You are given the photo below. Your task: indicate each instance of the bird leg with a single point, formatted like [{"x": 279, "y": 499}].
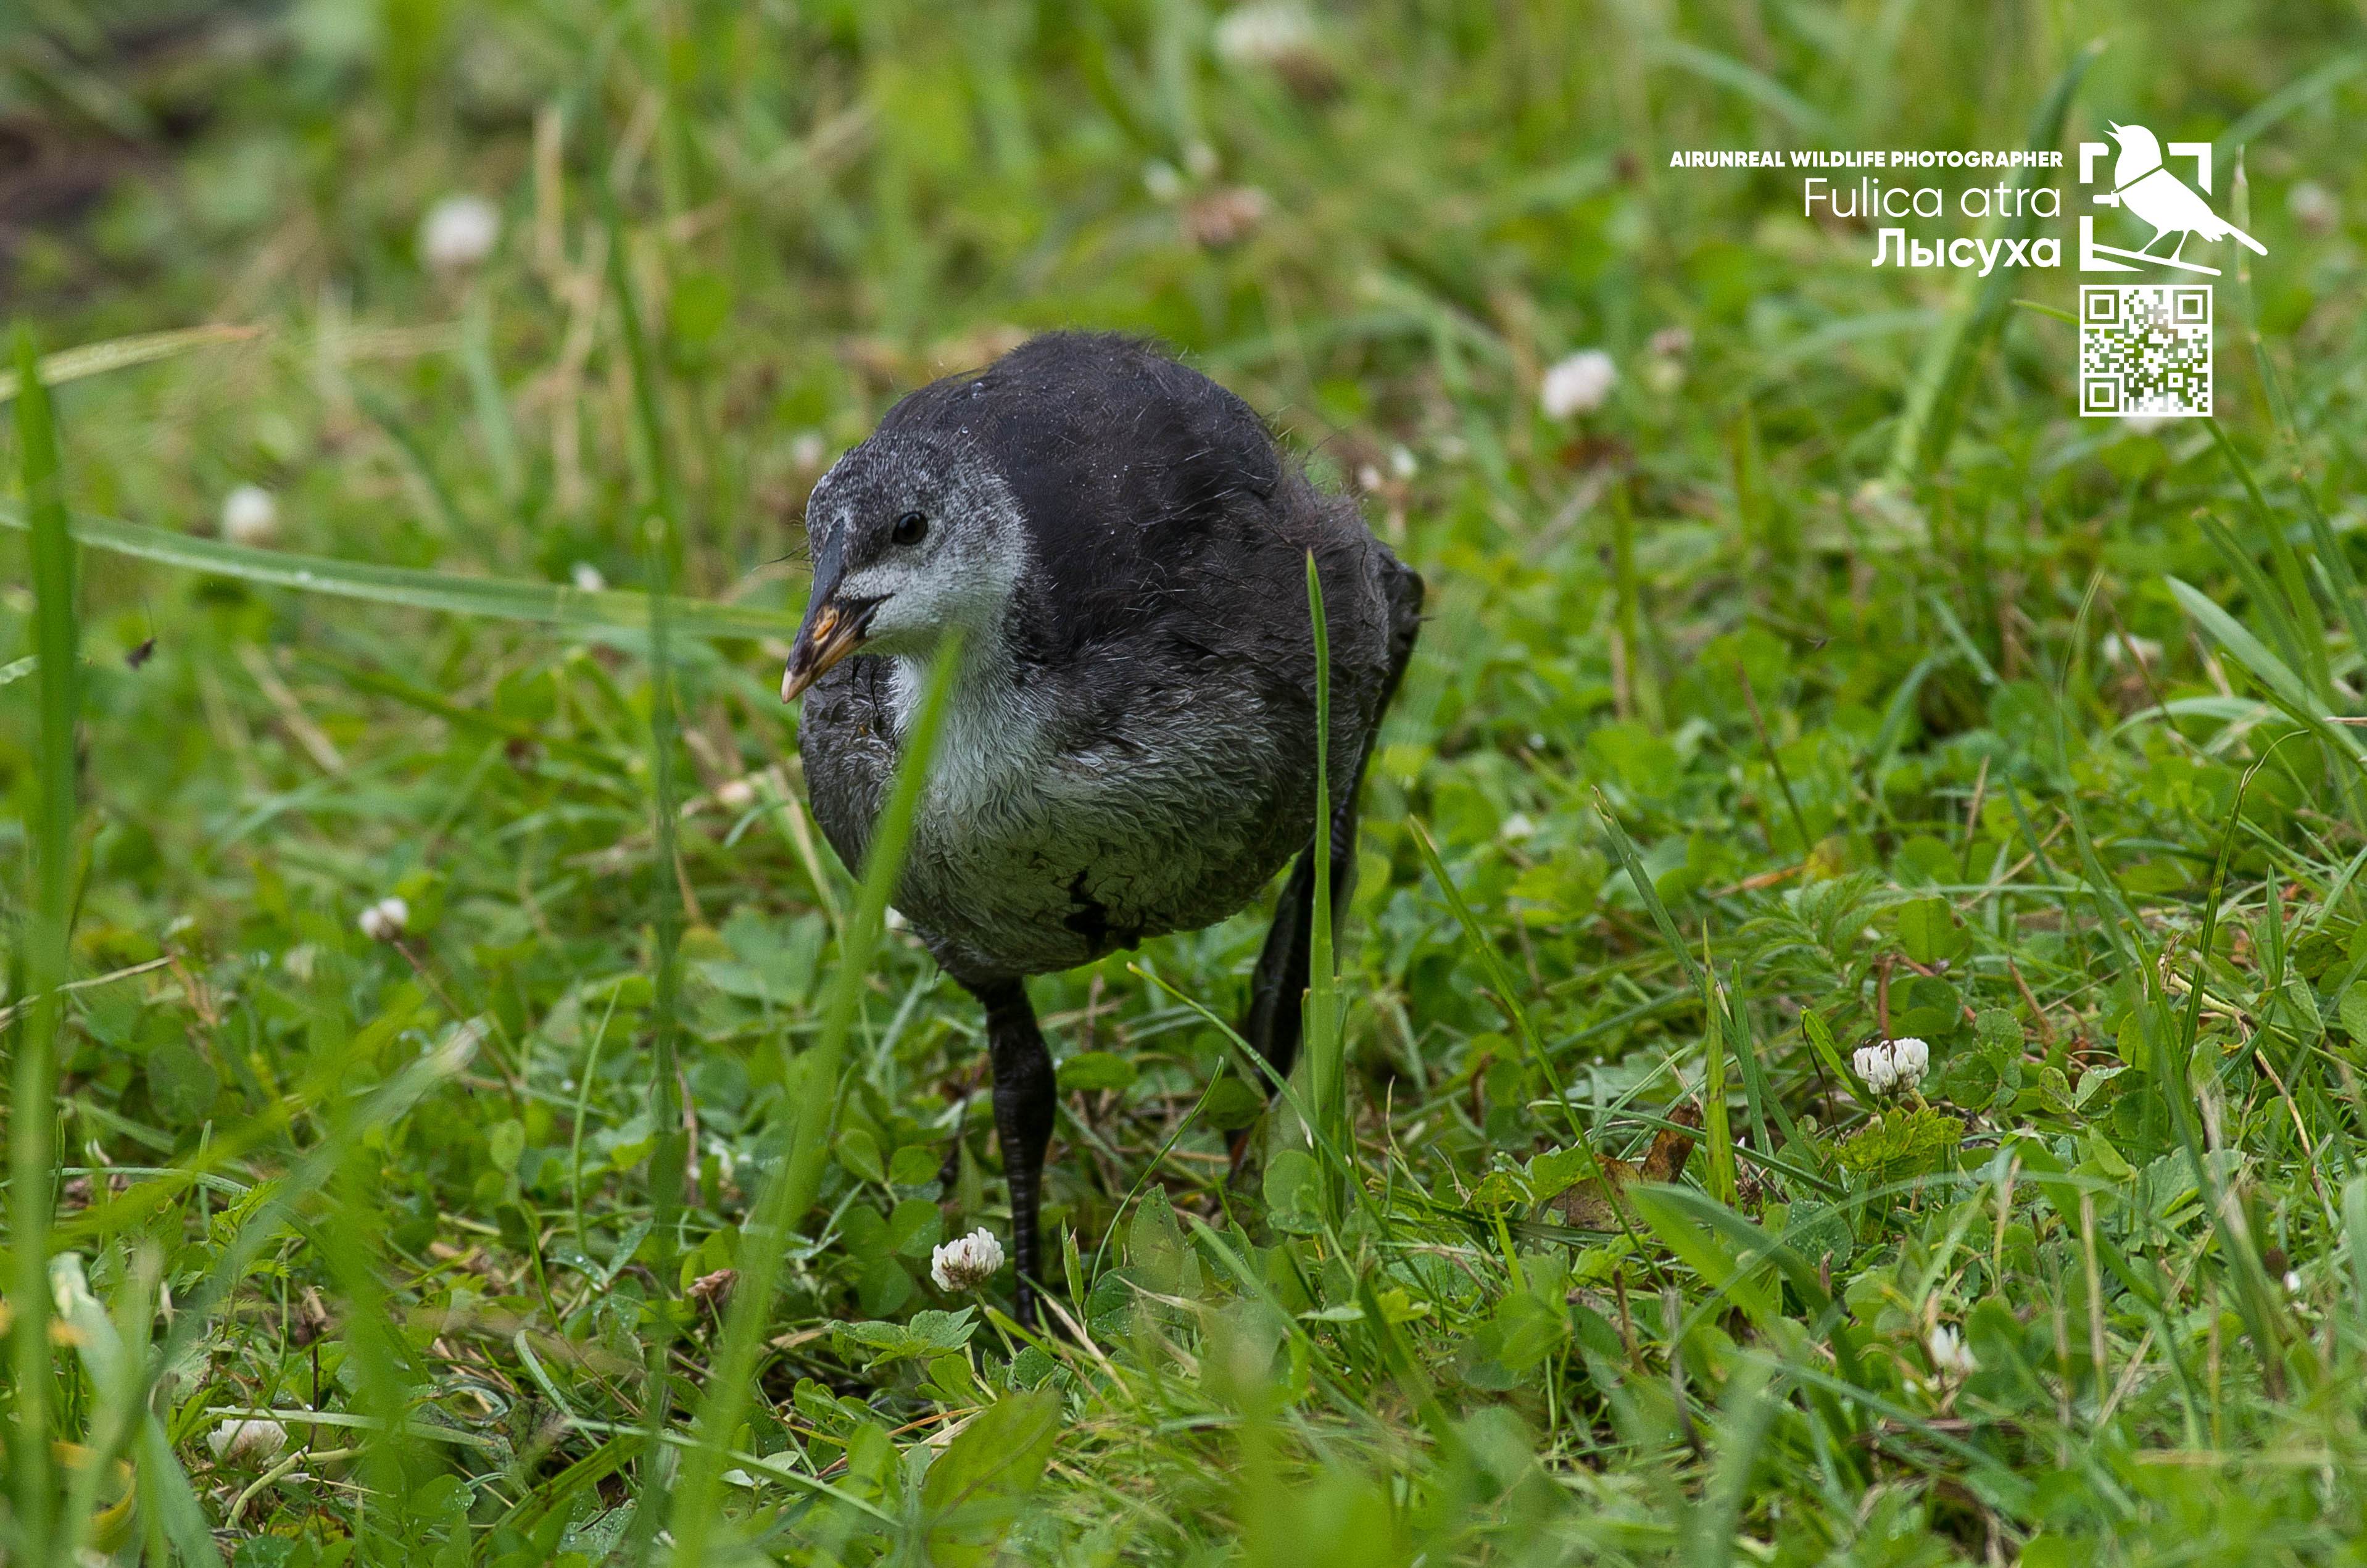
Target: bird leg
[
  {"x": 1273, "y": 1023},
  {"x": 1276, "y": 987},
  {"x": 1276, "y": 1019},
  {"x": 1024, "y": 1107}
]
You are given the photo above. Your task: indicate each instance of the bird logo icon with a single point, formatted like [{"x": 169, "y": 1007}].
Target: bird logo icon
[{"x": 2144, "y": 186}]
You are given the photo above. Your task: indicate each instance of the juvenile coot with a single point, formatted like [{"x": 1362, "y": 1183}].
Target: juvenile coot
[{"x": 1129, "y": 747}]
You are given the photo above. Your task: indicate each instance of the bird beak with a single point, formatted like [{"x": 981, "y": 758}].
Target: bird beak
[{"x": 834, "y": 629}]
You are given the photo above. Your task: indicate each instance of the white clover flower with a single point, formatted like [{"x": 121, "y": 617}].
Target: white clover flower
[
  {"x": 1264, "y": 34},
  {"x": 807, "y": 448},
  {"x": 1910, "y": 1059},
  {"x": 1950, "y": 1358},
  {"x": 1162, "y": 180},
  {"x": 1898, "y": 1064},
  {"x": 385, "y": 920},
  {"x": 234, "y": 1441},
  {"x": 2313, "y": 207},
  {"x": 587, "y": 577},
  {"x": 2293, "y": 1281},
  {"x": 1873, "y": 1064},
  {"x": 733, "y": 794},
  {"x": 1402, "y": 465},
  {"x": 459, "y": 233},
  {"x": 1577, "y": 384},
  {"x": 1516, "y": 828},
  {"x": 2143, "y": 424},
  {"x": 967, "y": 1261},
  {"x": 250, "y": 515}
]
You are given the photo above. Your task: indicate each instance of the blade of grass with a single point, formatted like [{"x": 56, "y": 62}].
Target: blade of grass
[
  {"x": 426, "y": 701},
  {"x": 383, "y": 1105},
  {"x": 1724, "y": 71},
  {"x": 661, "y": 537},
  {"x": 1642, "y": 693},
  {"x": 2285, "y": 688},
  {"x": 2247, "y": 308},
  {"x": 790, "y": 1187},
  {"x": 32, "y": 1110},
  {"x": 2331, "y": 559},
  {"x": 1776, "y": 761},
  {"x": 1745, "y": 1277},
  {"x": 2288, "y": 100},
  {"x": 372, "y": 1350},
  {"x": 114, "y": 1354},
  {"x": 1326, "y": 1081},
  {"x": 1500, "y": 978},
  {"x": 1820, "y": 1039},
  {"x": 1722, "y": 1184},
  {"x": 2286, "y": 605},
  {"x": 121, "y": 353},
  {"x": 1744, "y": 1415},
  {"x": 1252, "y": 1066},
  {"x": 1928, "y": 426},
  {"x": 2254, "y": 1298},
  {"x": 1673, "y": 1210},
  {"x": 389, "y": 421},
  {"x": 2354, "y": 1230},
  {"x": 547, "y": 604},
  {"x": 167, "y": 1498},
  {"x": 494, "y": 423},
  {"x": 1755, "y": 1088}
]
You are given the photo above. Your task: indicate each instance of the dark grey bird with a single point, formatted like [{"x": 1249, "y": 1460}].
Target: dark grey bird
[{"x": 1129, "y": 747}]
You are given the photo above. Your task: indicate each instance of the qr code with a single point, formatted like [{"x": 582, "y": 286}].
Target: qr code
[{"x": 2145, "y": 349}]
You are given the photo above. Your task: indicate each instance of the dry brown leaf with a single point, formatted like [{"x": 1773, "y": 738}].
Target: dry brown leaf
[{"x": 1587, "y": 1206}]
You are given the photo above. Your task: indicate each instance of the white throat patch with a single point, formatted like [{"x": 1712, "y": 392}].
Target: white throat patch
[{"x": 990, "y": 744}]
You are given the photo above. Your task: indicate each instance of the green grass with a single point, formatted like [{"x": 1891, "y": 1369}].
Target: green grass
[{"x": 1830, "y": 681}]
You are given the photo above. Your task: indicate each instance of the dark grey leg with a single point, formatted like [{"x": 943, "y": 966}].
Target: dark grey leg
[
  {"x": 1274, "y": 1021},
  {"x": 1280, "y": 980},
  {"x": 1272, "y": 1027},
  {"x": 1278, "y": 986},
  {"x": 1024, "y": 1104}
]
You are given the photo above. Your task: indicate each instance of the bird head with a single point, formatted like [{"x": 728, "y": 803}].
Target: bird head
[
  {"x": 912, "y": 533},
  {"x": 2136, "y": 138}
]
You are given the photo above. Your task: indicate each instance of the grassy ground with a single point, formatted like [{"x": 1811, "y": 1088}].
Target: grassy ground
[{"x": 1831, "y": 681}]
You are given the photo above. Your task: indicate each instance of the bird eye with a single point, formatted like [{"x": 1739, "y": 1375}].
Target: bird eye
[{"x": 910, "y": 530}]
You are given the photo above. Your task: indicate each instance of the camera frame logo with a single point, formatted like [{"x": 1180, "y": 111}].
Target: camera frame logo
[{"x": 2145, "y": 349}]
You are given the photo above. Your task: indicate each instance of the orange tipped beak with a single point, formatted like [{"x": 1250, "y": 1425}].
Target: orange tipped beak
[{"x": 829, "y": 634}]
